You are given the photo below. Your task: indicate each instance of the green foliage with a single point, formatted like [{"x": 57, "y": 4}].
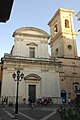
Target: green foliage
[{"x": 70, "y": 113}]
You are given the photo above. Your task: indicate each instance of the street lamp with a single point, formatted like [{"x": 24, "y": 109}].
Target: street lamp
[{"x": 17, "y": 77}]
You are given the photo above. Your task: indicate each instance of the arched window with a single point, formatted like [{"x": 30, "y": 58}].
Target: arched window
[
  {"x": 55, "y": 28},
  {"x": 56, "y": 51},
  {"x": 66, "y": 23}
]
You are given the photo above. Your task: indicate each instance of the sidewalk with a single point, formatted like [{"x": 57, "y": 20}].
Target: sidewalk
[{"x": 42, "y": 112}]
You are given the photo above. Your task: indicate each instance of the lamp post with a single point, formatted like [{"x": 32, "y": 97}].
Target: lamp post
[{"x": 17, "y": 77}]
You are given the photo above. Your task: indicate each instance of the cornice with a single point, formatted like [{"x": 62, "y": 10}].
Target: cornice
[
  {"x": 15, "y": 59},
  {"x": 58, "y": 12},
  {"x": 28, "y": 35},
  {"x": 26, "y": 29}
]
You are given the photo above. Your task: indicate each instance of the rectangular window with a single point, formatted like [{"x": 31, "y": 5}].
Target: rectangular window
[{"x": 32, "y": 52}]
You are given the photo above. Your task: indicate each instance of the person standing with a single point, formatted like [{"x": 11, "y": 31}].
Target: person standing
[{"x": 30, "y": 102}]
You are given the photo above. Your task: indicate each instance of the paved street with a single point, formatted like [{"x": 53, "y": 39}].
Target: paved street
[{"x": 26, "y": 113}]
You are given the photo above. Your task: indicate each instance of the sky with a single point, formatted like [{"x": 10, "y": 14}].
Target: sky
[{"x": 34, "y": 13}]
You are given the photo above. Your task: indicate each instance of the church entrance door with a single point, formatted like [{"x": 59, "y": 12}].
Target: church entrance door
[{"x": 32, "y": 92}]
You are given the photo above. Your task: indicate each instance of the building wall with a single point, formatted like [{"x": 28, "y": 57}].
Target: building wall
[
  {"x": 41, "y": 66},
  {"x": 30, "y": 37},
  {"x": 63, "y": 35},
  {"x": 58, "y": 73},
  {"x": 70, "y": 77},
  {"x": 63, "y": 46},
  {"x": 47, "y": 86}
]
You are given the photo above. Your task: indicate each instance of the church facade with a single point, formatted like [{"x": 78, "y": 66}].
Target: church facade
[
  {"x": 30, "y": 55},
  {"x": 56, "y": 76}
]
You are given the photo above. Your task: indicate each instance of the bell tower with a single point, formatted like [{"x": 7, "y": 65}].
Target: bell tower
[{"x": 63, "y": 35}]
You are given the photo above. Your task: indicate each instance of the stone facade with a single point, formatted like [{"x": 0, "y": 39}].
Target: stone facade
[
  {"x": 30, "y": 55},
  {"x": 63, "y": 46},
  {"x": 56, "y": 76},
  {"x": 70, "y": 77},
  {"x": 63, "y": 35}
]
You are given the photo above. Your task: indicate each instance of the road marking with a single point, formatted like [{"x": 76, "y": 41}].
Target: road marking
[
  {"x": 26, "y": 116},
  {"x": 48, "y": 116},
  {"x": 10, "y": 114},
  {"x": 30, "y": 118}
]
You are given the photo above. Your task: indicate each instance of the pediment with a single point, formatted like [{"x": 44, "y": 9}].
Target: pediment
[
  {"x": 31, "y": 31},
  {"x": 32, "y": 44},
  {"x": 32, "y": 77}
]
